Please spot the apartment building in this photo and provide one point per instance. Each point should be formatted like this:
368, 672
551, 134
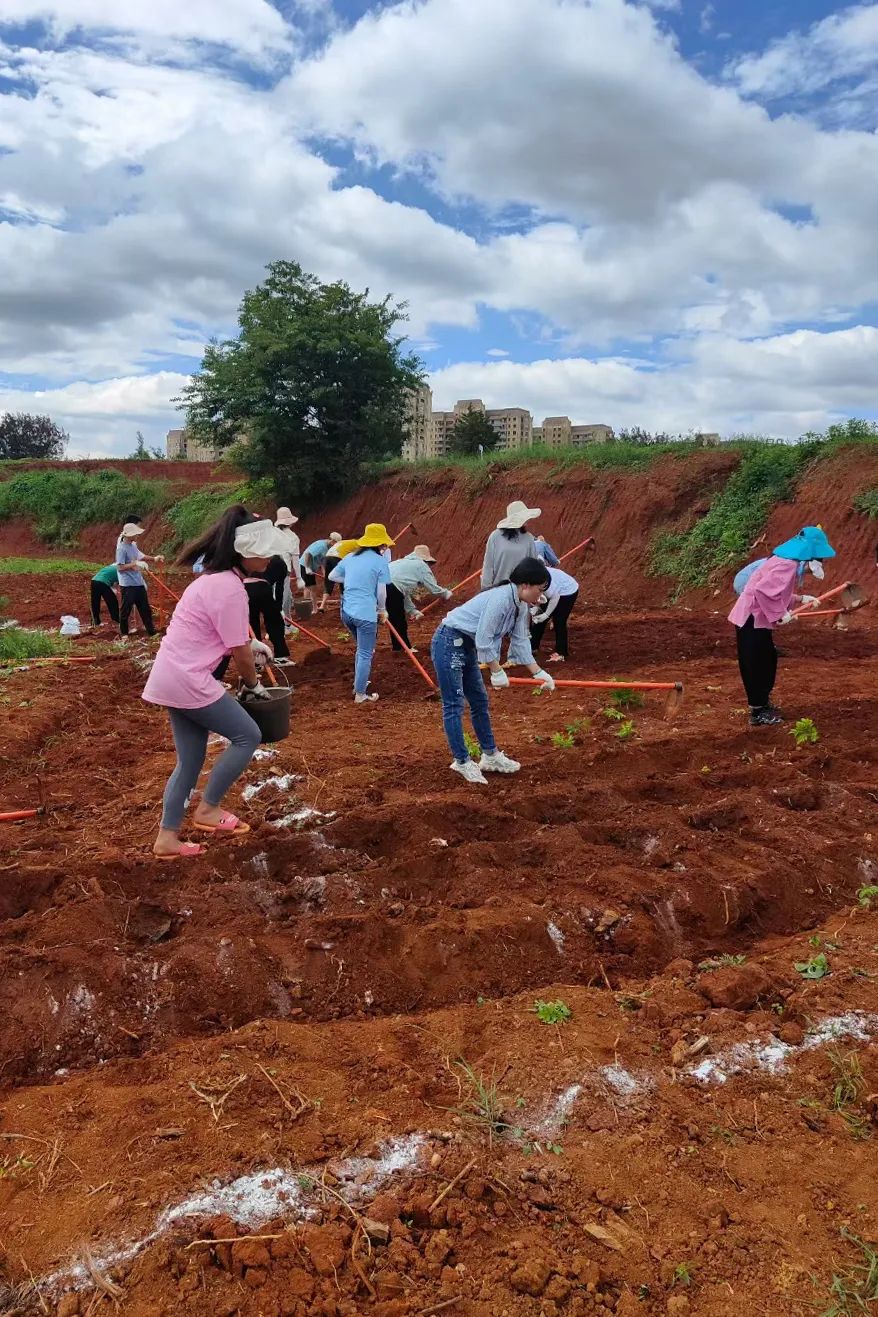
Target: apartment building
558, 432
418, 424
429, 432
181, 445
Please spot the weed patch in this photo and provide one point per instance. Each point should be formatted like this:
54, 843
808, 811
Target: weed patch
552, 1012
46, 566
60, 503
192, 515
856, 1289
867, 503
18, 644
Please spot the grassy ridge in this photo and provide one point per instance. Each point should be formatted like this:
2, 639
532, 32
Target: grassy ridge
46, 566
18, 644
63, 502
867, 502
193, 514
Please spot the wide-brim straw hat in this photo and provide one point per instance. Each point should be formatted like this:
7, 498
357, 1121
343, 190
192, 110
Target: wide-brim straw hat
375, 537
284, 517
334, 537
422, 551
131, 531
259, 539
517, 515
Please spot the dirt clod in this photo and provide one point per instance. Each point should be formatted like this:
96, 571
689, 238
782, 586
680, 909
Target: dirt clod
736, 987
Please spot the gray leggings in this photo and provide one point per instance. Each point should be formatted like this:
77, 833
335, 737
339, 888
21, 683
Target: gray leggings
190, 729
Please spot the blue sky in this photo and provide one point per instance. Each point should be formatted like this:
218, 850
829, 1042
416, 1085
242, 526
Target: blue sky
637, 213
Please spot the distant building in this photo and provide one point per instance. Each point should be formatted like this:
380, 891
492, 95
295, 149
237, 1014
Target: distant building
428, 433
418, 423
184, 446
558, 432
708, 440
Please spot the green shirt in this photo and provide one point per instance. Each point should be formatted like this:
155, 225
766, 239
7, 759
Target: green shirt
107, 575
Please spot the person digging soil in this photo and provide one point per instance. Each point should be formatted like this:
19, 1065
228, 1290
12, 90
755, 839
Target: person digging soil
473, 633
365, 575
102, 591
134, 595
560, 597
210, 621
409, 575
765, 602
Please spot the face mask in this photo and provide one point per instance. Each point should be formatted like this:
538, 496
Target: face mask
815, 567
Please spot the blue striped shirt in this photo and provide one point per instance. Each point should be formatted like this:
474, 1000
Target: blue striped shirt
490, 616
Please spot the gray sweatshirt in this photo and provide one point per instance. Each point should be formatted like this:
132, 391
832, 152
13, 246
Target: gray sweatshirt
501, 555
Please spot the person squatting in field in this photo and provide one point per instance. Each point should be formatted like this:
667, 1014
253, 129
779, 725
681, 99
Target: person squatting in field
315, 559
766, 601
473, 633
409, 576
365, 575
210, 622
559, 601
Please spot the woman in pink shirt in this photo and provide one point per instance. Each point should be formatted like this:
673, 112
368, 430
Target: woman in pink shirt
765, 602
210, 621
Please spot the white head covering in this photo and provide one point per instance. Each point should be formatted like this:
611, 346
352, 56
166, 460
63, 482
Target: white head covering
518, 514
130, 531
259, 539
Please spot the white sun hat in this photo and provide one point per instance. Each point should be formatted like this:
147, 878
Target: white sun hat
517, 515
131, 530
284, 517
259, 539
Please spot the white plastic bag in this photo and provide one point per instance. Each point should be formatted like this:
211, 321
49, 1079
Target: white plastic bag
69, 625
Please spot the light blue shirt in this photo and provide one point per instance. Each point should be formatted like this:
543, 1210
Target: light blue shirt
317, 554
128, 553
411, 574
365, 577
547, 553
490, 616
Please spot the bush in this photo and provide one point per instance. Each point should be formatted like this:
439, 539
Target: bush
61, 502
45, 566
18, 644
867, 503
193, 514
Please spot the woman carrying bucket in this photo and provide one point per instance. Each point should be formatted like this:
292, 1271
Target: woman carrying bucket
509, 544
365, 575
210, 621
765, 602
472, 634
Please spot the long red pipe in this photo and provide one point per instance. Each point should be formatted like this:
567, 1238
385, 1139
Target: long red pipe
13, 814
83, 658
604, 685
423, 671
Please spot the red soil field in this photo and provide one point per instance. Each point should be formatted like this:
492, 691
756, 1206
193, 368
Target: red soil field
280, 1039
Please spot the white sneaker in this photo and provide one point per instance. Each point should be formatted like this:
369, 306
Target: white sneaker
498, 762
469, 771
365, 699
284, 662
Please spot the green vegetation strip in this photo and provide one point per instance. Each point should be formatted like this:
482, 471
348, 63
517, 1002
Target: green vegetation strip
17, 644
61, 503
46, 566
193, 514
867, 503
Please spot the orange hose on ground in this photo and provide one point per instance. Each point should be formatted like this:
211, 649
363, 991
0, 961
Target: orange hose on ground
13, 814
423, 671
83, 658
603, 685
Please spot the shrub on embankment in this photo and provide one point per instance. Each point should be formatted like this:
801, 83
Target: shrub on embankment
62, 502
867, 503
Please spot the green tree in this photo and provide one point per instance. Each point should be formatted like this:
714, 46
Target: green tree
144, 454
314, 386
472, 431
25, 435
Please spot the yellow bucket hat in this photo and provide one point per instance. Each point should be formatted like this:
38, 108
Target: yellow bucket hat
375, 537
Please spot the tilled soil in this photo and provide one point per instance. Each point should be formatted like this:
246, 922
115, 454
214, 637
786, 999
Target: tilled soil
286, 1034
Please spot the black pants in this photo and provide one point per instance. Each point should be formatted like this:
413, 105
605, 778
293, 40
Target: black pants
397, 616
135, 596
329, 566
101, 591
276, 574
563, 609
757, 659
263, 605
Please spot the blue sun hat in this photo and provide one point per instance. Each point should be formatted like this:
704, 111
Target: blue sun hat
810, 543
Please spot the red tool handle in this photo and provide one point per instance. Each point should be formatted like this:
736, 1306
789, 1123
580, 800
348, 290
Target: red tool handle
604, 685
423, 671
294, 621
570, 552
822, 598
13, 814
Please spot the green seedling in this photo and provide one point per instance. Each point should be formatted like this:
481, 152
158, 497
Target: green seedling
720, 962
615, 715
815, 940
342, 635
563, 740
805, 732
473, 749
683, 1273
866, 895
552, 1012
815, 968
727, 1136
626, 731
625, 698
481, 1101
538, 690
12, 1167
306, 1183
855, 1290
849, 1086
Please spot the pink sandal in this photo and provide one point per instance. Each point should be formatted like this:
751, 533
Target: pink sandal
228, 823
188, 851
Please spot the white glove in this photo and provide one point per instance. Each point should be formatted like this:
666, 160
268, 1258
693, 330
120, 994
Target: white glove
300, 585
787, 617
158, 557
810, 599
382, 617
417, 615
260, 647
546, 681
815, 567
258, 691
446, 594
499, 680
539, 617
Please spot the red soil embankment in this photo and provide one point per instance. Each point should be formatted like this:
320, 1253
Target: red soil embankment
623, 510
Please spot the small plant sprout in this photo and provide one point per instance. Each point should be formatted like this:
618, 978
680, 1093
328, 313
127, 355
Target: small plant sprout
815, 968
721, 962
481, 1101
855, 1290
625, 698
614, 715
563, 740
552, 1012
805, 732
12, 1167
306, 1183
866, 895
683, 1273
848, 1089
626, 730
473, 749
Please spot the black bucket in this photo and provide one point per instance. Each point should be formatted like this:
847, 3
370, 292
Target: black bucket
272, 715
302, 607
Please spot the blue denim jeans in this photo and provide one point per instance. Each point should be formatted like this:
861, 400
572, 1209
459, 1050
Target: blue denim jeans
365, 634
457, 671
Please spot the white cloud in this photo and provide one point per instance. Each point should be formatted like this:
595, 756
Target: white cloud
253, 27
104, 417
779, 386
